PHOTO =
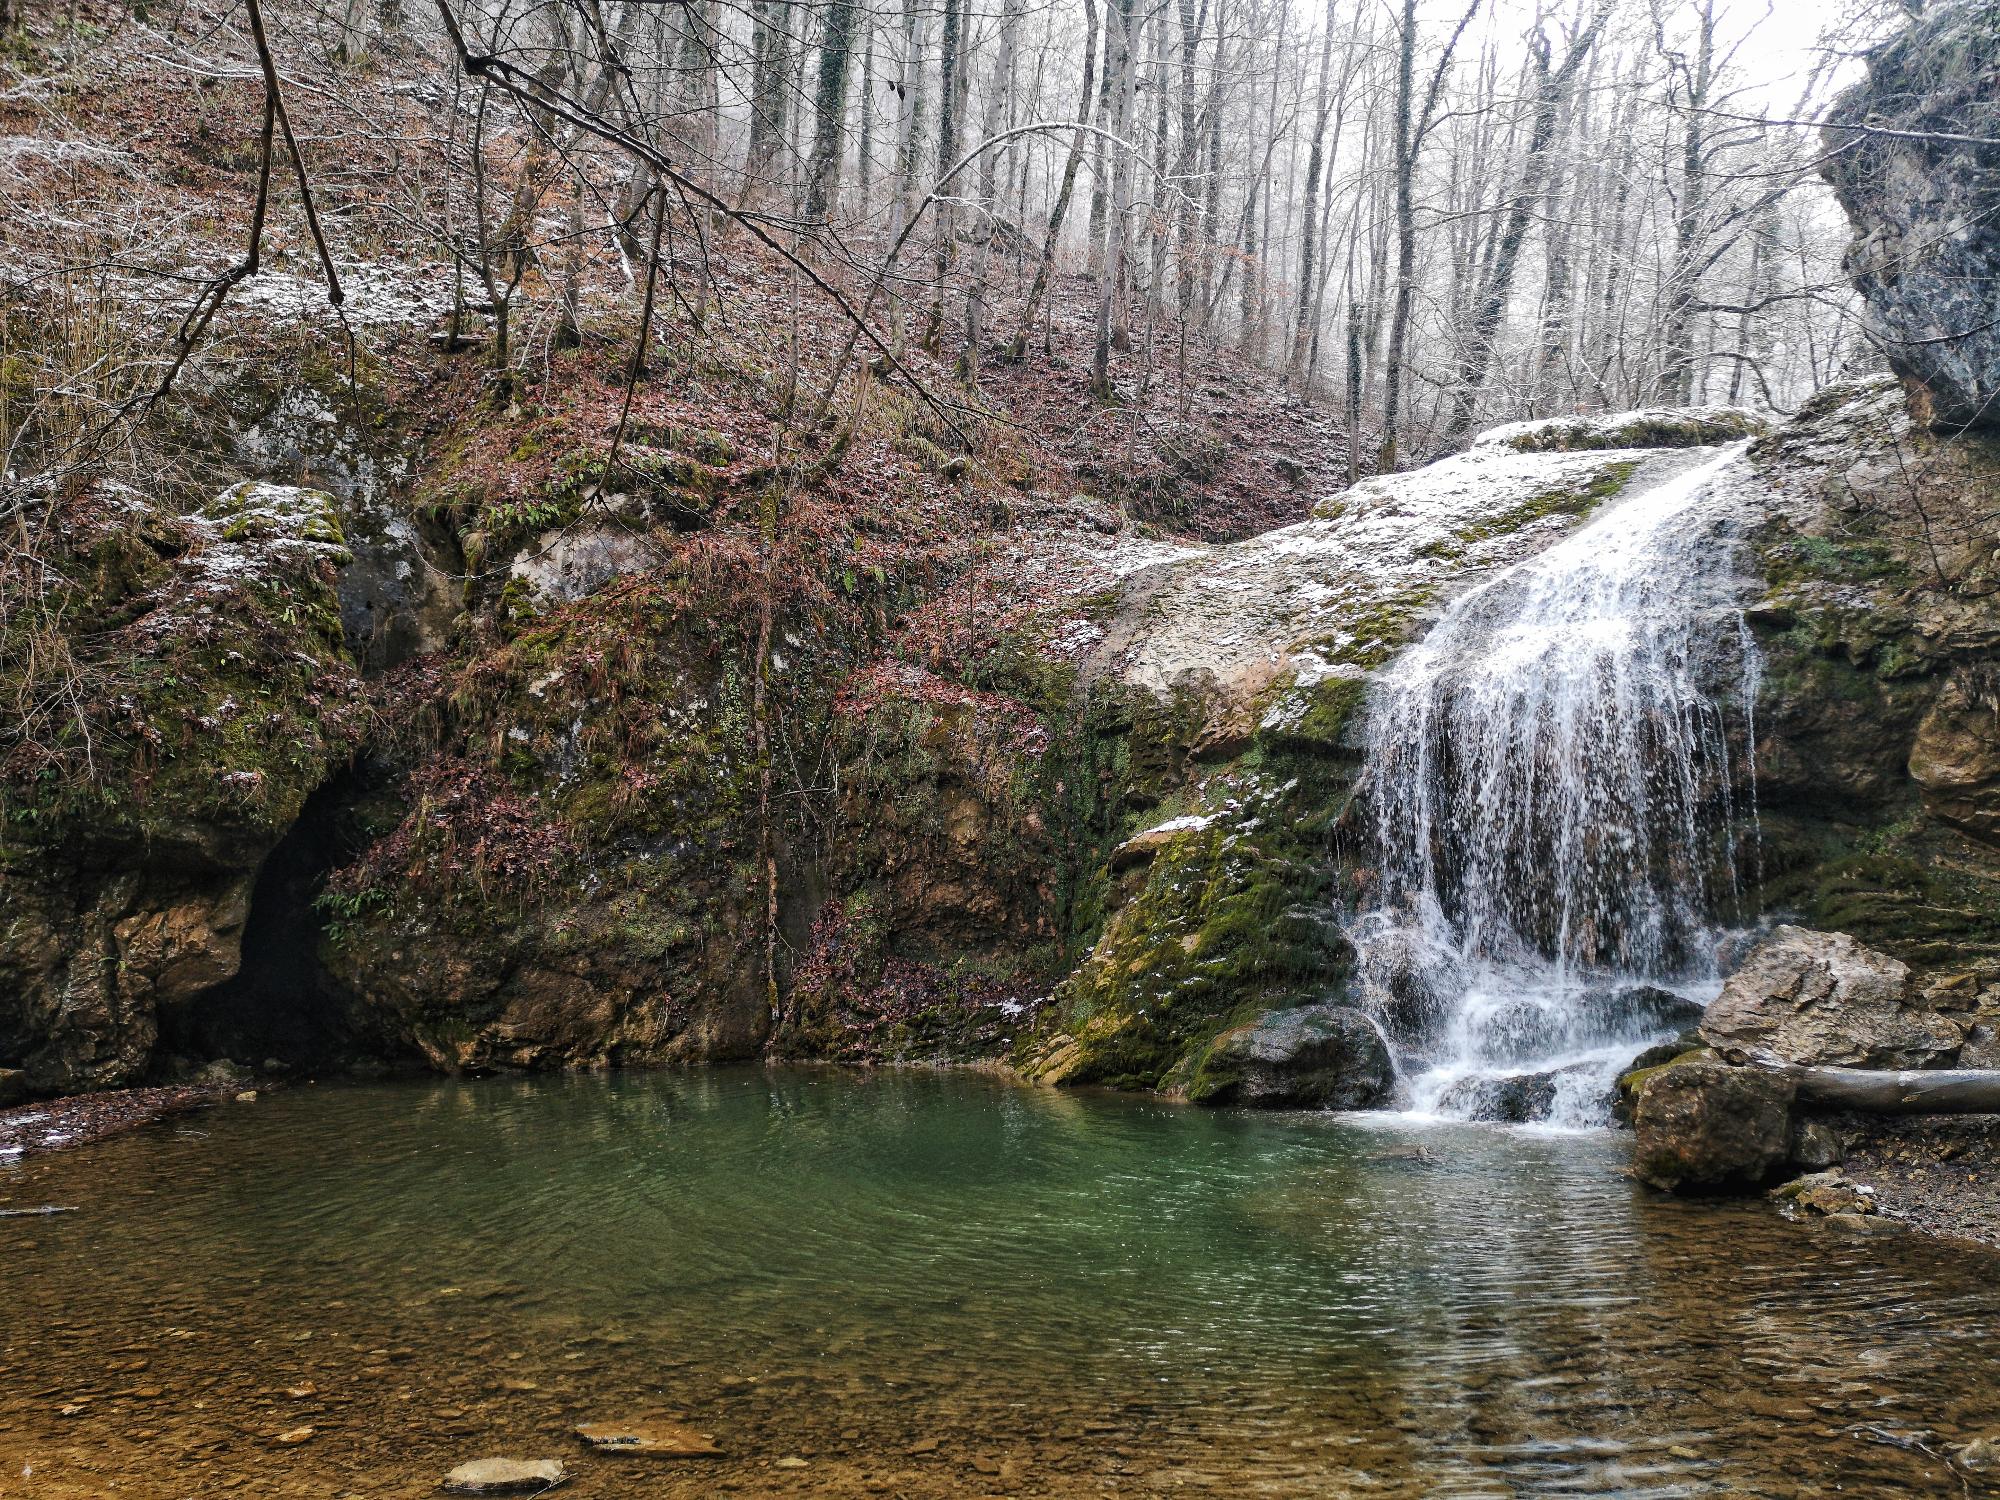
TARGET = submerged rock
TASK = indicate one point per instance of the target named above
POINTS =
(506, 1476)
(1315, 1057)
(1703, 1123)
(1980, 1456)
(650, 1439)
(1824, 999)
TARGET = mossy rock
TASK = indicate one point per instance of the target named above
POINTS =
(1664, 428)
(1232, 914)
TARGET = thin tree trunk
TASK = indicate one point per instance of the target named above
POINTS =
(1551, 89)
(830, 110)
(1111, 280)
(1060, 211)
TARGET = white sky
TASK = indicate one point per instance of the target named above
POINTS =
(1779, 56)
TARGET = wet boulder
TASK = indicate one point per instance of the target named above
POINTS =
(1409, 982)
(1514, 1100)
(1703, 1123)
(1824, 1194)
(1314, 1057)
(1525, 1098)
(1641, 1009)
(1823, 999)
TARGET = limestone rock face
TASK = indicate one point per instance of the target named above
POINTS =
(1956, 757)
(1824, 999)
(1315, 1057)
(1926, 256)
(1703, 1123)
(574, 562)
(217, 696)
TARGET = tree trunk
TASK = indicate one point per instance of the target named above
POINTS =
(1551, 89)
(1690, 224)
(830, 111)
(909, 105)
(770, 75)
(1923, 1091)
(865, 166)
(1309, 228)
(947, 157)
(1060, 211)
(1111, 279)
(1405, 162)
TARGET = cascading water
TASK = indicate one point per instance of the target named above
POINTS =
(1556, 812)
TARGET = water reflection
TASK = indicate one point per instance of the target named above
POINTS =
(935, 1285)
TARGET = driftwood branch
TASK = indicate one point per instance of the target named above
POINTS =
(1920, 1091)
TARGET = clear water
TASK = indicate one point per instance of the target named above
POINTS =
(922, 1284)
(1555, 806)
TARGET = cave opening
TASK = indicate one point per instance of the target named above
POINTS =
(282, 1007)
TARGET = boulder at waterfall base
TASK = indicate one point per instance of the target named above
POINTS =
(1703, 1123)
(1824, 999)
(1314, 1057)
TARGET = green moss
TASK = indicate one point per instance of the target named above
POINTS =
(1643, 429)
(1632, 1083)
(1229, 919)
(1573, 498)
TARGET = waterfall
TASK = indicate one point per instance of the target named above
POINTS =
(1556, 812)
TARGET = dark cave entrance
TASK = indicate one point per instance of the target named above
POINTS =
(282, 1006)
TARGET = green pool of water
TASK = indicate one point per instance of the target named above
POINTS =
(922, 1284)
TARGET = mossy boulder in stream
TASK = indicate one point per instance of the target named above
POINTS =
(1702, 1123)
(1313, 1057)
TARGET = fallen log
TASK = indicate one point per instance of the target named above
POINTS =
(1918, 1091)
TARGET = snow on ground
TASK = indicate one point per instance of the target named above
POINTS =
(1239, 614)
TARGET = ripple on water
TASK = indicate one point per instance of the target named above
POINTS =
(938, 1285)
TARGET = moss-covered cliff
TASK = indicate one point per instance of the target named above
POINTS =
(188, 687)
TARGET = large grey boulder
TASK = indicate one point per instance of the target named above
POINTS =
(1822, 999)
(1705, 1124)
(1926, 256)
(1315, 1057)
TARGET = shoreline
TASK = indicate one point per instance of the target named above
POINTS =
(1934, 1175)
(44, 1126)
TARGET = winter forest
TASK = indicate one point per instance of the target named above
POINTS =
(1423, 217)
